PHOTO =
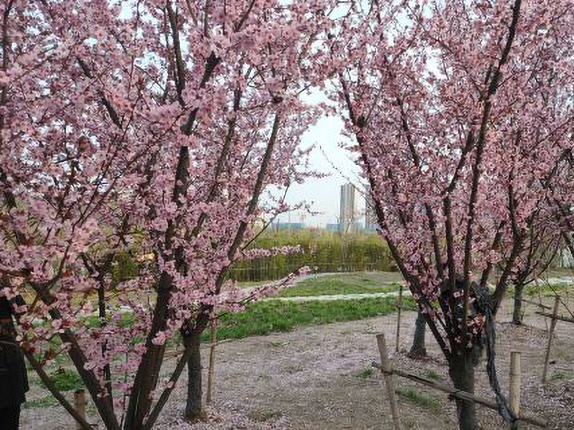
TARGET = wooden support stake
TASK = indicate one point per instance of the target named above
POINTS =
(211, 370)
(540, 305)
(463, 395)
(80, 406)
(557, 317)
(399, 307)
(515, 377)
(540, 300)
(387, 374)
(550, 336)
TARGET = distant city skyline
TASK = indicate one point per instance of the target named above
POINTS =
(322, 194)
(354, 212)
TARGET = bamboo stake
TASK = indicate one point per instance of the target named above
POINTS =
(550, 336)
(80, 406)
(515, 379)
(387, 374)
(211, 371)
(399, 307)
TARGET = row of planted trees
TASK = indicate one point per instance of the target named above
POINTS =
(152, 128)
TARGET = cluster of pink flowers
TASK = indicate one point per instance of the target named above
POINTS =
(148, 132)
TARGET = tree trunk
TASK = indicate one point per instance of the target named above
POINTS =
(461, 371)
(418, 348)
(194, 407)
(517, 314)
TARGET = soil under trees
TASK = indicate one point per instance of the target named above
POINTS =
(319, 377)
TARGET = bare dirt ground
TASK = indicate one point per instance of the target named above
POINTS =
(314, 378)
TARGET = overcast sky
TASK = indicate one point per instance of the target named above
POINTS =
(323, 193)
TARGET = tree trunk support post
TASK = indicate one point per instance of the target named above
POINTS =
(550, 336)
(80, 406)
(211, 370)
(386, 368)
(515, 380)
(399, 309)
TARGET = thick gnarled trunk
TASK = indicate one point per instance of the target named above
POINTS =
(461, 371)
(418, 348)
(194, 405)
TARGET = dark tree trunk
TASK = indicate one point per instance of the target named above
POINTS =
(418, 348)
(194, 406)
(517, 314)
(461, 371)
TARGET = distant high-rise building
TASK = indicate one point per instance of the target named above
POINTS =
(347, 208)
(370, 215)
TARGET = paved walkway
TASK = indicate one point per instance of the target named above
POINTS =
(551, 281)
(338, 297)
(561, 280)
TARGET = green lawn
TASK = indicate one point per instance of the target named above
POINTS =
(279, 316)
(345, 283)
(544, 289)
(259, 318)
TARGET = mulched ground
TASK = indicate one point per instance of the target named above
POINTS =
(317, 378)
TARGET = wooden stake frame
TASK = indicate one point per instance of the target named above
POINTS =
(388, 371)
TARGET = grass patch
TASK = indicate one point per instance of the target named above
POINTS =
(264, 415)
(419, 398)
(65, 380)
(431, 374)
(262, 318)
(44, 402)
(334, 285)
(366, 373)
(545, 290)
(557, 376)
